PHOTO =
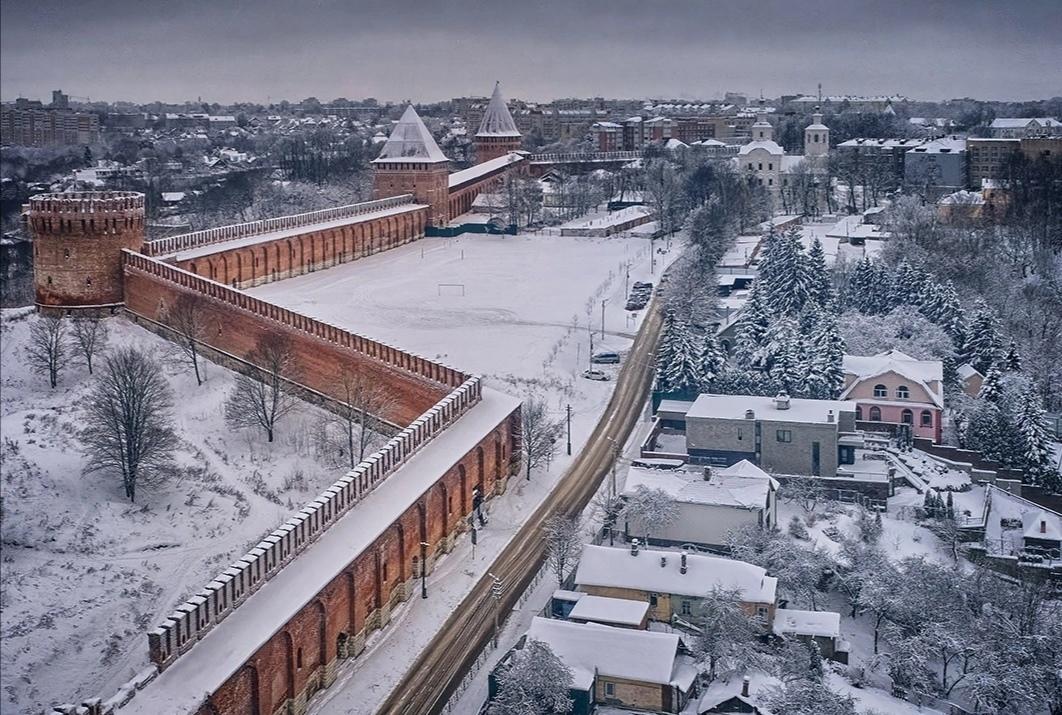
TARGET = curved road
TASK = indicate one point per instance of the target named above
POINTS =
(433, 677)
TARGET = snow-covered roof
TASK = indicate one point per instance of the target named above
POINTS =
(497, 122)
(807, 623)
(1041, 524)
(674, 144)
(962, 197)
(742, 488)
(675, 406)
(482, 169)
(709, 142)
(944, 145)
(1023, 122)
(733, 407)
(771, 147)
(618, 568)
(629, 654)
(602, 609)
(410, 141)
(967, 371)
(921, 372)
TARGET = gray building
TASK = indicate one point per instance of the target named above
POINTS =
(782, 435)
(938, 166)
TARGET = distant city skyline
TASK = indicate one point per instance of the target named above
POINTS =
(269, 50)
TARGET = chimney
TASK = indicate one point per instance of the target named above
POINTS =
(634, 547)
(782, 401)
(750, 415)
(682, 568)
(663, 561)
(745, 687)
(829, 416)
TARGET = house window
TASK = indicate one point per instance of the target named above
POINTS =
(384, 569)
(610, 690)
(761, 611)
(859, 413)
(927, 418)
(760, 165)
(880, 391)
(784, 435)
(652, 600)
(907, 417)
(875, 414)
(902, 392)
(770, 167)
(816, 138)
(686, 610)
(770, 182)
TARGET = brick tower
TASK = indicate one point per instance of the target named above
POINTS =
(497, 135)
(412, 163)
(78, 239)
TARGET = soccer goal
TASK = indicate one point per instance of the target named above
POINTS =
(451, 289)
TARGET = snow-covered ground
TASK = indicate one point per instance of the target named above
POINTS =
(517, 309)
(86, 573)
(829, 232)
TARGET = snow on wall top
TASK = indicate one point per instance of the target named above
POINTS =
(618, 568)
(497, 122)
(410, 141)
(641, 656)
(483, 168)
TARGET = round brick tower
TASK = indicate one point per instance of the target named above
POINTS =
(78, 239)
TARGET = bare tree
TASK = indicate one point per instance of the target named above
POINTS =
(610, 506)
(90, 338)
(805, 492)
(47, 350)
(651, 509)
(363, 400)
(186, 317)
(538, 433)
(263, 400)
(564, 543)
(129, 417)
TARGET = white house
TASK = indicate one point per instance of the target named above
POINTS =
(710, 502)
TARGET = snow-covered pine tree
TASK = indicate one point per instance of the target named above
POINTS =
(784, 273)
(1012, 361)
(752, 326)
(901, 291)
(820, 283)
(711, 360)
(992, 385)
(825, 372)
(984, 344)
(784, 355)
(1029, 419)
(861, 286)
(678, 359)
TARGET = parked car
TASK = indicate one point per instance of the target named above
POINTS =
(596, 375)
(605, 358)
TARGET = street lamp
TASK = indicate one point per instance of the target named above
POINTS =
(603, 302)
(424, 569)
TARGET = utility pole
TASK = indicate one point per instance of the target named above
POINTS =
(424, 569)
(496, 594)
(652, 255)
(590, 357)
(627, 280)
(603, 318)
(569, 413)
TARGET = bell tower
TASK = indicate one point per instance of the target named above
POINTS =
(816, 137)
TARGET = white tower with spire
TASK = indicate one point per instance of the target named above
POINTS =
(816, 137)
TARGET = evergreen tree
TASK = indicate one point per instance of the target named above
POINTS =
(825, 371)
(1012, 361)
(820, 285)
(983, 344)
(1029, 419)
(678, 360)
(784, 273)
(991, 433)
(902, 291)
(861, 285)
(752, 327)
(711, 361)
(992, 386)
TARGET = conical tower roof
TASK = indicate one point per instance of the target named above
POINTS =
(497, 122)
(410, 141)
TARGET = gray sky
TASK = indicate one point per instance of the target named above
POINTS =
(240, 50)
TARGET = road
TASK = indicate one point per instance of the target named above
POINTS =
(431, 680)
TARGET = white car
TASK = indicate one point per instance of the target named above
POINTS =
(596, 375)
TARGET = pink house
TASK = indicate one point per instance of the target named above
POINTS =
(896, 389)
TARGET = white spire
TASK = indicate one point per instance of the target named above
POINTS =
(497, 122)
(410, 141)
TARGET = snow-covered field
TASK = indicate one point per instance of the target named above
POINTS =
(85, 572)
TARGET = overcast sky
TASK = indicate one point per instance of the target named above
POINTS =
(259, 50)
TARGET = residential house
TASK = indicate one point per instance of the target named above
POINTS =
(639, 670)
(672, 583)
(1018, 127)
(970, 379)
(728, 697)
(893, 389)
(711, 502)
(782, 435)
(937, 166)
(823, 627)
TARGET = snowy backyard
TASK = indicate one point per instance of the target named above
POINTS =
(87, 573)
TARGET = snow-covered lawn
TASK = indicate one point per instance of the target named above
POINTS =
(85, 572)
